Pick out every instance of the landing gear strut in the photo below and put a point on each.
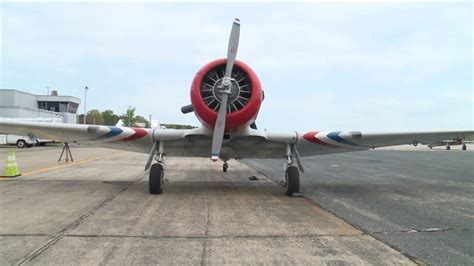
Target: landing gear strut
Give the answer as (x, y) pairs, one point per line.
(157, 172)
(225, 166)
(292, 173)
(464, 147)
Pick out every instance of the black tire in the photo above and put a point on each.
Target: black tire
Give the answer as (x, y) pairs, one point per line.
(155, 181)
(464, 147)
(225, 166)
(292, 176)
(21, 143)
(448, 148)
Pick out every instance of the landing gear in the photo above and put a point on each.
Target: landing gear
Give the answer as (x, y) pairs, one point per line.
(448, 147)
(464, 147)
(225, 166)
(156, 178)
(292, 180)
(292, 173)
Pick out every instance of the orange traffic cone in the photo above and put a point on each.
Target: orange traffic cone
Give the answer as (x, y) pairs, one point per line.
(11, 169)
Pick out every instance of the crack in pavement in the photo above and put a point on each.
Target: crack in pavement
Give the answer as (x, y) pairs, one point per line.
(205, 245)
(56, 237)
(197, 237)
(206, 236)
(424, 230)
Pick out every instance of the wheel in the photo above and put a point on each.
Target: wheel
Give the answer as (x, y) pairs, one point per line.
(464, 147)
(21, 143)
(448, 147)
(155, 181)
(225, 166)
(292, 178)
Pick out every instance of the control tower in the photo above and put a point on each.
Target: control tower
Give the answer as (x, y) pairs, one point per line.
(23, 105)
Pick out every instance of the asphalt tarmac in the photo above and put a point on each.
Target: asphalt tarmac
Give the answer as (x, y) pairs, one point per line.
(98, 210)
(419, 202)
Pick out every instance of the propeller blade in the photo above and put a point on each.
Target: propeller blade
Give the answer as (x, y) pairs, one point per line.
(150, 157)
(219, 128)
(232, 49)
(224, 91)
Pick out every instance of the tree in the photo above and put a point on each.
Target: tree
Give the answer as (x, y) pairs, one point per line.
(80, 119)
(141, 119)
(94, 117)
(176, 126)
(129, 118)
(110, 119)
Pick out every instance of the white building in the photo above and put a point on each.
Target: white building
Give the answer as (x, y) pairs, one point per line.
(19, 104)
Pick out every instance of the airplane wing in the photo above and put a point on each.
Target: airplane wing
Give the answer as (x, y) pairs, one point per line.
(87, 135)
(248, 143)
(321, 142)
(252, 143)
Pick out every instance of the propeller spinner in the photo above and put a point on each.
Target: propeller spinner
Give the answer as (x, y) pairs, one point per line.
(224, 90)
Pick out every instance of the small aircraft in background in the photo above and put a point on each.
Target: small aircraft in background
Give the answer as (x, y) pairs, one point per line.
(450, 142)
(226, 95)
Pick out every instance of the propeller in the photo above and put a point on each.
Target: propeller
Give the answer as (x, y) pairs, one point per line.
(224, 91)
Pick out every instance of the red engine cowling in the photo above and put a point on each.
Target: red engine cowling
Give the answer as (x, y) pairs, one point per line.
(244, 101)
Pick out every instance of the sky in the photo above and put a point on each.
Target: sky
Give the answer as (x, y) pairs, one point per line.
(340, 66)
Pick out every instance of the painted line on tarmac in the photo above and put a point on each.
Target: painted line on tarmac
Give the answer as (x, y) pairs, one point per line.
(56, 166)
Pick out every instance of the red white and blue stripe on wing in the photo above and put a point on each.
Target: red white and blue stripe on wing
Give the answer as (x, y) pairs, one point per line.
(331, 139)
(113, 133)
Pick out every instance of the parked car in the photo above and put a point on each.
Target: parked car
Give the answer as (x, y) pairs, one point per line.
(19, 141)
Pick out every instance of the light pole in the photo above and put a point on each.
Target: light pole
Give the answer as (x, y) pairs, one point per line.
(85, 102)
(129, 113)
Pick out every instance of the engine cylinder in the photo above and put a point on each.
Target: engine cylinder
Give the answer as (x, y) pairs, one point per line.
(243, 102)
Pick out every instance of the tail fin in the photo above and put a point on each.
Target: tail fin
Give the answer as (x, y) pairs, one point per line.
(119, 123)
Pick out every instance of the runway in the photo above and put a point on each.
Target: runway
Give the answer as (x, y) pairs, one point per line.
(98, 211)
(419, 202)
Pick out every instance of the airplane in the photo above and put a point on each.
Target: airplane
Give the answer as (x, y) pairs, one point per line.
(449, 142)
(226, 95)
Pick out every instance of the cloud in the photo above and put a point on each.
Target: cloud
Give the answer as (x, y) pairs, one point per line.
(337, 64)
